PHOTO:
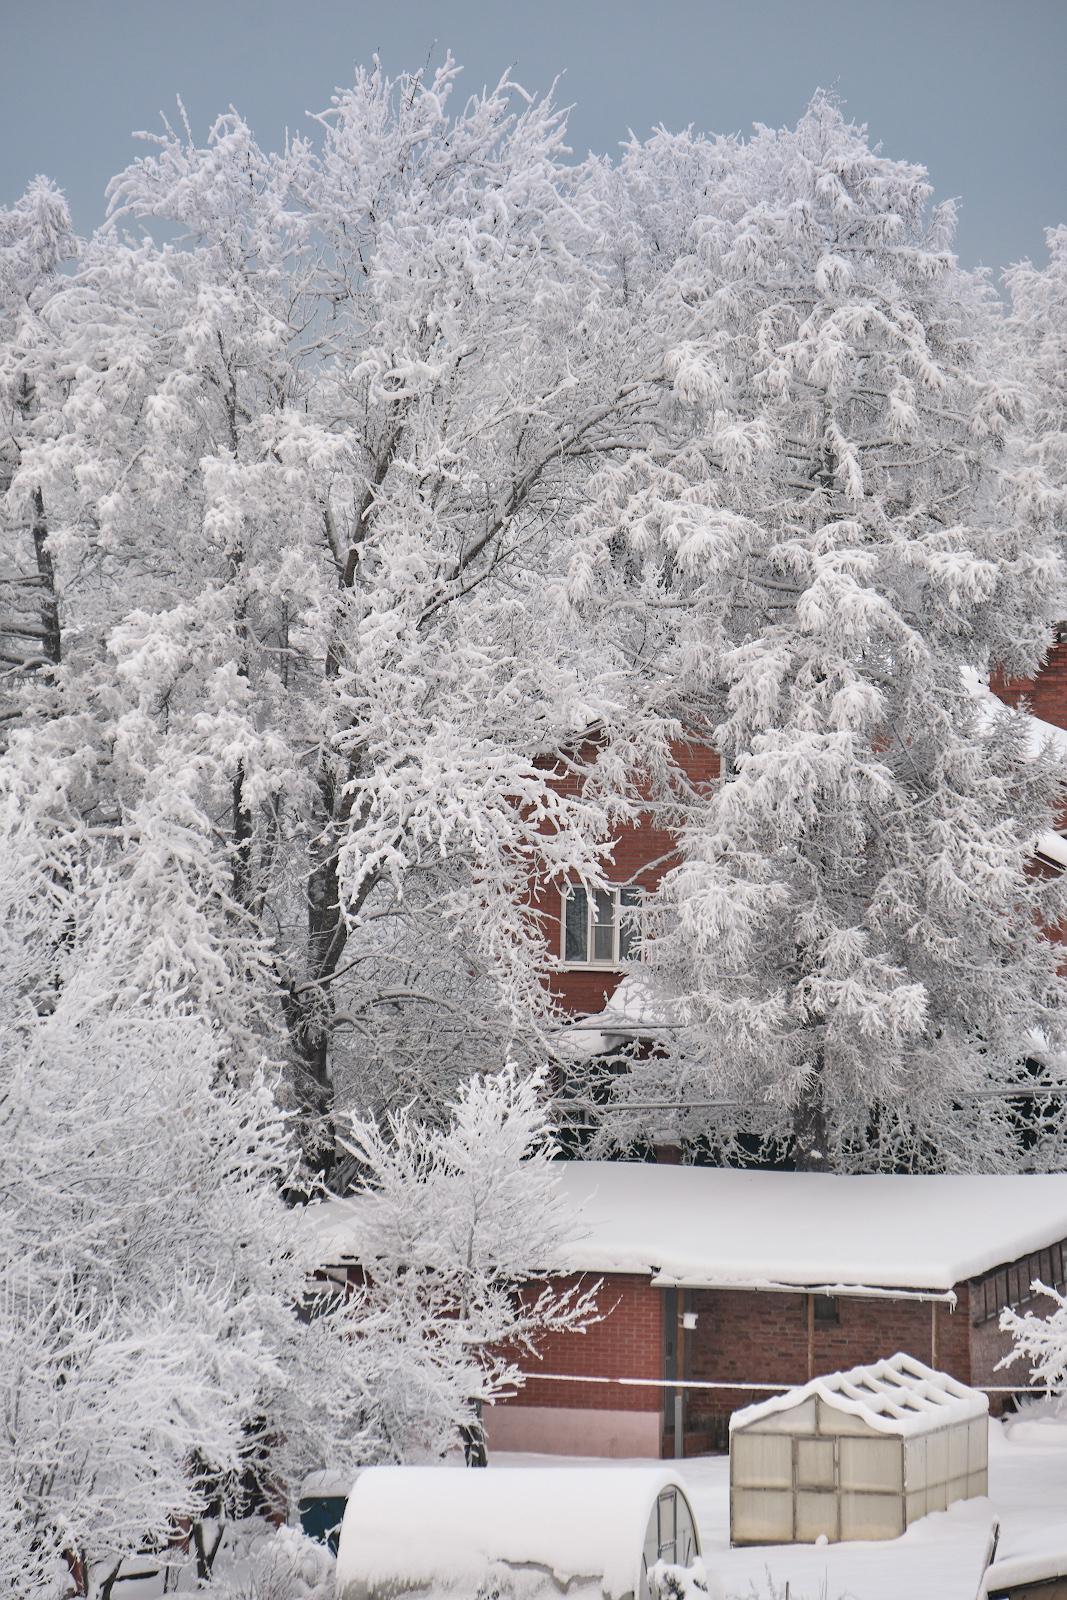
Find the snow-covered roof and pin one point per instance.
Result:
(410, 1528)
(899, 1395)
(1053, 846)
(711, 1227)
(1036, 1567)
(636, 1006)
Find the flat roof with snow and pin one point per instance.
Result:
(708, 1227)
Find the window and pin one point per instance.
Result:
(599, 929)
(667, 1515)
(827, 1312)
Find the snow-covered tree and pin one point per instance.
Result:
(832, 524)
(152, 1354)
(36, 238)
(1038, 327)
(452, 1226)
(310, 465)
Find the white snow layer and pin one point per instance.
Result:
(1040, 1567)
(709, 1227)
(414, 1527)
(900, 1395)
(636, 1006)
(1053, 846)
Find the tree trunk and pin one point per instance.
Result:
(811, 1143)
(242, 829)
(205, 1557)
(473, 1436)
(52, 641)
(108, 1586)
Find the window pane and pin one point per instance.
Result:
(604, 926)
(575, 948)
(629, 923)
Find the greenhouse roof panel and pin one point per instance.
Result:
(899, 1395)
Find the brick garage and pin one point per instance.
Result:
(788, 1275)
(935, 1256)
(750, 1337)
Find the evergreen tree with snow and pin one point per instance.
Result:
(1038, 332)
(835, 522)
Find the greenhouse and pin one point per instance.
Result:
(592, 1533)
(856, 1455)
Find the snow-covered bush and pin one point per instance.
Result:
(283, 1564)
(1040, 1340)
(668, 1581)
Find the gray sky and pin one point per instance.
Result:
(974, 89)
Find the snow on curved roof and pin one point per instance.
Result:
(1038, 1567)
(711, 1227)
(899, 1395)
(407, 1528)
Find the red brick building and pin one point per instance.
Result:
(588, 935)
(1044, 699)
(1045, 696)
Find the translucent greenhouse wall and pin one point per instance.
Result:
(815, 1470)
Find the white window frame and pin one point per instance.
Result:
(615, 962)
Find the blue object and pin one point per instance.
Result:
(320, 1517)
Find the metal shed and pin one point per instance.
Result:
(856, 1455)
(531, 1531)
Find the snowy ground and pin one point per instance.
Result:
(940, 1558)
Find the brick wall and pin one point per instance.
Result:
(628, 1343)
(1009, 1285)
(763, 1338)
(744, 1337)
(1047, 693)
(1046, 697)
